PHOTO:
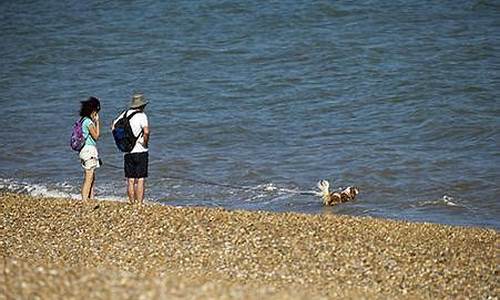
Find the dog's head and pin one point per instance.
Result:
(349, 193)
(354, 191)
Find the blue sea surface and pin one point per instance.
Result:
(263, 99)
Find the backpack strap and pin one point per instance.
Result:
(130, 117)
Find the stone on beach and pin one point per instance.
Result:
(61, 248)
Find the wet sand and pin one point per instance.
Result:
(61, 248)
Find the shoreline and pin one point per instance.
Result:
(467, 216)
(56, 247)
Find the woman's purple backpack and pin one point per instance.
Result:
(77, 139)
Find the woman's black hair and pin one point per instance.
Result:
(89, 106)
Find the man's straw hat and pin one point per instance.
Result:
(138, 100)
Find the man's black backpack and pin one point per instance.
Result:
(122, 133)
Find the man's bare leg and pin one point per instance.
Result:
(140, 191)
(131, 190)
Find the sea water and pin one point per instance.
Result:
(399, 98)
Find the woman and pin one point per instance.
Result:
(88, 155)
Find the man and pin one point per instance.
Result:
(136, 162)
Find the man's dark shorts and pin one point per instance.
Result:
(136, 165)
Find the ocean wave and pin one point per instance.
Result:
(37, 190)
(446, 201)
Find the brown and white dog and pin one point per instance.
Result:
(333, 198)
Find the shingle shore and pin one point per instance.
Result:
(60, 248)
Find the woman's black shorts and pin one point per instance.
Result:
(136, 165)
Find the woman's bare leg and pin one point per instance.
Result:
(92, 185)
(88, 177)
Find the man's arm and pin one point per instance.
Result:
(145, 132)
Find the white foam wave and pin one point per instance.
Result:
(449, 201)
(57, 190)
(38, 190)
(443, 201)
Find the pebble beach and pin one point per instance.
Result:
(65, 249)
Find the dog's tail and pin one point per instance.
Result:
(324, 186)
